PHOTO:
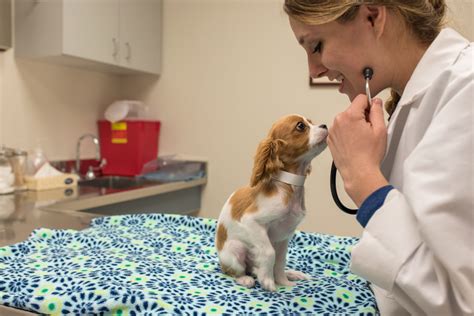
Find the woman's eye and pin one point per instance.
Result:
(300, 127)
(318, 47)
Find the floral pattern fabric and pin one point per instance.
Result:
(157, 264)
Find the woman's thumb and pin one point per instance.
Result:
(376, 113)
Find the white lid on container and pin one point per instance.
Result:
(126, 109)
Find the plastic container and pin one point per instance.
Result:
(6, 174)
(128, 145)
(126, 110)
(18, 162)
(166, 169)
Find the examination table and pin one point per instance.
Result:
(153, 264)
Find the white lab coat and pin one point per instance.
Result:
(417, 249)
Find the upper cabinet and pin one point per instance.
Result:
(122, 36)
(90, 29)
(138, 40)
(5, 24)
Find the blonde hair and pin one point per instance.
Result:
(424, 18)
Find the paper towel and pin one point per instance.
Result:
(46, 170)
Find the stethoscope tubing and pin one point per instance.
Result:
(367, 91)
(367, 72)
(335, 197)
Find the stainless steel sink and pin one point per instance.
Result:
(117, 182)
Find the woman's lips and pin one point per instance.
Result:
(340, 78)
(341, 86)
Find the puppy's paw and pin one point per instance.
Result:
(284, 282)
(296, 275)
(268, 284)
(246, 281)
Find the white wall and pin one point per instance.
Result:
(461, 17)
(2, 101)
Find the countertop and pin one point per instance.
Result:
(22, 212)
(19, 216)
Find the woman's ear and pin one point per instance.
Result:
(267, 161)
(376, 15)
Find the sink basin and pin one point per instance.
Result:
(116, 182)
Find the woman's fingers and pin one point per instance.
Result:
(376, 116)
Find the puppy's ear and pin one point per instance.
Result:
(267, 161)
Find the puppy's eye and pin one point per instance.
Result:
(300, 127)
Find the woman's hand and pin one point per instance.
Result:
(357, 140)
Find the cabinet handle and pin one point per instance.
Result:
(129, 51)
(116, 47)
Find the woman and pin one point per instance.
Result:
(412, 180)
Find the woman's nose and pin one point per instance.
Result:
(316, 68)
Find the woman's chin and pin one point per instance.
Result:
(351, 96)
(345, 89)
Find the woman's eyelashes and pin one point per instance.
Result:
(318, 47)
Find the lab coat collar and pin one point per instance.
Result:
(442, 52)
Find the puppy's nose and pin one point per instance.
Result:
(323, 126)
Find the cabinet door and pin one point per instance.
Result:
(140, 35)
(90, 29)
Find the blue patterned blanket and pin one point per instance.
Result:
(166, 264)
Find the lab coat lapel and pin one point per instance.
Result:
(442, 52)
(393, 139)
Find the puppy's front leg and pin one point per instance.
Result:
(283, 277)
(263, 254)
(281, 248)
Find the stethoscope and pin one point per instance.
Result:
(367, 72)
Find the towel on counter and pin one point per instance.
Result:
(167, 264)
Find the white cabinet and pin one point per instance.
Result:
(122, 36)
(139, 41)
(91, 29)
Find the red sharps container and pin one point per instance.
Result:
(127, 145)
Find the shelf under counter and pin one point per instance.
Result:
(98, 200)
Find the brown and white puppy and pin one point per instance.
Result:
(257, 221)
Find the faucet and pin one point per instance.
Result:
(90, 173)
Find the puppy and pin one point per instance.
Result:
(257, 221)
